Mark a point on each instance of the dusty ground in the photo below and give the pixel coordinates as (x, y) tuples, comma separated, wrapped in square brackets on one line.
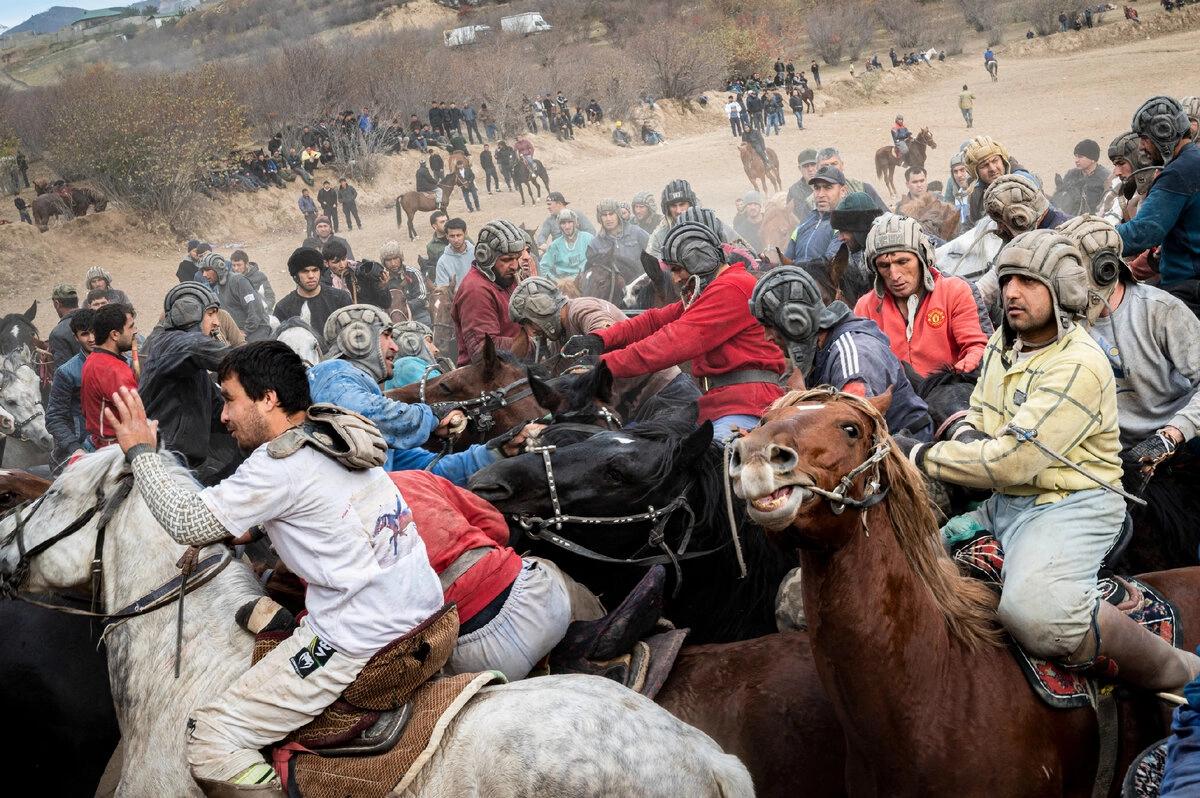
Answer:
[(1043, 104)]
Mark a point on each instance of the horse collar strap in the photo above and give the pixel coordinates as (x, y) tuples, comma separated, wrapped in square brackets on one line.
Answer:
[(839, 498)]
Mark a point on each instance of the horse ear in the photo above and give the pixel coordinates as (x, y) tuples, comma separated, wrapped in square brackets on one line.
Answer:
[(697, 443), (490, 361), (1057, 181), (32, 312), (545, 395), (603, 381), (914, 379), (651, 268), (882, 402)]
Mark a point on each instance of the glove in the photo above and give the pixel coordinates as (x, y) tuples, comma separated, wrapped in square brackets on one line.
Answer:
[(1153, 449), (591, 344), (498, 443)]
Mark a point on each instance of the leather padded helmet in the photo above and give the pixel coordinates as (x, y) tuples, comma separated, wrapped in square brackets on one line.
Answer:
[(411, 338), (697, 249), (496, 238), (1053, 260), (1126, 147), (97, 272), (643, 198), (704, 216), (787, 299), (1164, 123), (1100, 245), (895, 233), (212, 260), (353, 333), (979, 149), (538, 301), (1191, 107), (185, 304), (1015, 201), (678, 191), (607, 206)]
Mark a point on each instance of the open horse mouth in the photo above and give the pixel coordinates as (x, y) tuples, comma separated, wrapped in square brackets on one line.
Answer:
[(777, 509)]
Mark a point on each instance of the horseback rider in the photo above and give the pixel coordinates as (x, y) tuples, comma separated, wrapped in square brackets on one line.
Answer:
[(851, 220), (931, 320), (1157, 399), (360, 357), (813, 238), (1016, 205), (1132, 174), (428, 184), (644, 214), (829, 345), (987, 159), (313, 483), (1046, 387), (623, 242), (1169, 217), (738, 370), (539, 306), (480, 306), (175, 384), (900, 136), (678, 197), (754, 138)]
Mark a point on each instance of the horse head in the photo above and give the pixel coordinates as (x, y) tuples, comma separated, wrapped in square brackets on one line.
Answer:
[(808, 446), (301, 338), (21, 398), (582, 398), (926, 138), (608, 474), (937, 218)]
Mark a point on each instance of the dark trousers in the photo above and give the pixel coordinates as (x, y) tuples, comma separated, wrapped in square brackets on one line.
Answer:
[(310, 225), (351, 209), (331, 212), (735, 124), (471, 197), (473, 136), (491, 178), (25, 172), (25, 216)]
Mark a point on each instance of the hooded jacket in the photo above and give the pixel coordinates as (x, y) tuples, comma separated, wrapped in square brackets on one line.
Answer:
[(178, 388), (243, 303)]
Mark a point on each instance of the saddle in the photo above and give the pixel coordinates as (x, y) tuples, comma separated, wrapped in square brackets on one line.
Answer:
[(632, 645), (387, 723), (1060, 685)]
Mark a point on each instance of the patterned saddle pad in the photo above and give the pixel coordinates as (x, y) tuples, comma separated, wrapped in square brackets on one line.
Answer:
[(1057, 684), (1145, 775)]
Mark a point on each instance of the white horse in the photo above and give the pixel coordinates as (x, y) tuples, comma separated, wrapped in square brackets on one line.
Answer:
[(7, 423), (21, 398), (550, 736), (300, 337)]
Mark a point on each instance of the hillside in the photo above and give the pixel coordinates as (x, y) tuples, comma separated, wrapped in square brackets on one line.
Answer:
[(49, 21)]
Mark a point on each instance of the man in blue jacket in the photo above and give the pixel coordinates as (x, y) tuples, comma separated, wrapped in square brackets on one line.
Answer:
[(1169, 216), (64, 416), (813, 239), (360, 358)]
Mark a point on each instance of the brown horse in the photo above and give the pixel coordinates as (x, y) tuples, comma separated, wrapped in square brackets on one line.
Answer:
[(83, 198), (523, 176), (413, 202), (908, 651), (777, 224), (493, 389), (806, 94), (48, 205), (937, 218), (18, 486), (758, 172), (886, 160), (441, 303)]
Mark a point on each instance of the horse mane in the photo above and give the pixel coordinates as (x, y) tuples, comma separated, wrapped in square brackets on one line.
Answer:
[(947, 375), (967, 605), (19, 320)]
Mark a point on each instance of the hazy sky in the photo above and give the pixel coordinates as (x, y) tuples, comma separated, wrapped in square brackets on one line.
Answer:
[(13, 12)]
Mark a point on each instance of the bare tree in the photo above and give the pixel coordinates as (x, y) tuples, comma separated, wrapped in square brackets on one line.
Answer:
[(1041, 14), (982, 15), (679, 63), (824, 26), (905, 20)]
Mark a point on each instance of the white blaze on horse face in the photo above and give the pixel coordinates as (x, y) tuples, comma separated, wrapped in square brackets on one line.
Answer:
[(622, 439)]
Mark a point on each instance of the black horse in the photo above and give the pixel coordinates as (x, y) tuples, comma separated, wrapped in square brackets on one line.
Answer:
[(17, 330), (661, 464), (523, 176)]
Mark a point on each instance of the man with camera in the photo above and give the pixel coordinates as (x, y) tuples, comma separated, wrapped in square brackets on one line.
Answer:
[(366, 281)]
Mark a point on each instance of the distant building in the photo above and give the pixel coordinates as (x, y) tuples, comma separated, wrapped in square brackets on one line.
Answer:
[(101, 16)]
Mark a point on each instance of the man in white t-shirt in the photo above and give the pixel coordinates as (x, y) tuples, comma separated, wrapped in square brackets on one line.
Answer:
[(336, 521)]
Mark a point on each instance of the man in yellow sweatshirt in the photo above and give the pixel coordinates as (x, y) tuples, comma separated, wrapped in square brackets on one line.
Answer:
[(1044, 378)]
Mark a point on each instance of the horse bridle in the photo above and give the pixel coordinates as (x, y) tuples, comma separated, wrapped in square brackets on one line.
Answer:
[(480, 409), (194, 572), (18, 426), (550, 529), (839, 498)]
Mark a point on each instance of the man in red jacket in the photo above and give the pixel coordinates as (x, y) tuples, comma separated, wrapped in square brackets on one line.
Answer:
[(481, 301), (738, 369), (931, 320), (106, 370)]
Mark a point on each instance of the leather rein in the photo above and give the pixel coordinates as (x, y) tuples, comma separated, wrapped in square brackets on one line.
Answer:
[(194, 572), (550, 529)]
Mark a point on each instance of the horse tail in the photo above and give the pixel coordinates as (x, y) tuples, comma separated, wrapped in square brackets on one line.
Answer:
[(399, 213), (731, 776), (543, 174)]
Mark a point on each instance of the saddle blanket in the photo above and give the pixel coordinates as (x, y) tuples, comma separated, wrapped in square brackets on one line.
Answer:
[(1055, 683)]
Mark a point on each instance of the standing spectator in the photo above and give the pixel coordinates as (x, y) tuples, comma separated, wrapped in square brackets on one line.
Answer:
[(23, 167), (529, 111), (23, 210), (796, 103), (754, 108), (308, 209), (64, 415), (506, 158), (1090, 176), (435, 117), (546, 112), (488, 164), (327, 198), (455, 260), (324, 234), (186, 270), (470, 120), (63, 343), (348, 196), (311, 301), (1063, 21), (966, 104), (489, 121), (453, 118), (365, 124), (237, 297), (466, 178), (733, 110), (241, 264), (895, 60), (106, 370), (816, 72)]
